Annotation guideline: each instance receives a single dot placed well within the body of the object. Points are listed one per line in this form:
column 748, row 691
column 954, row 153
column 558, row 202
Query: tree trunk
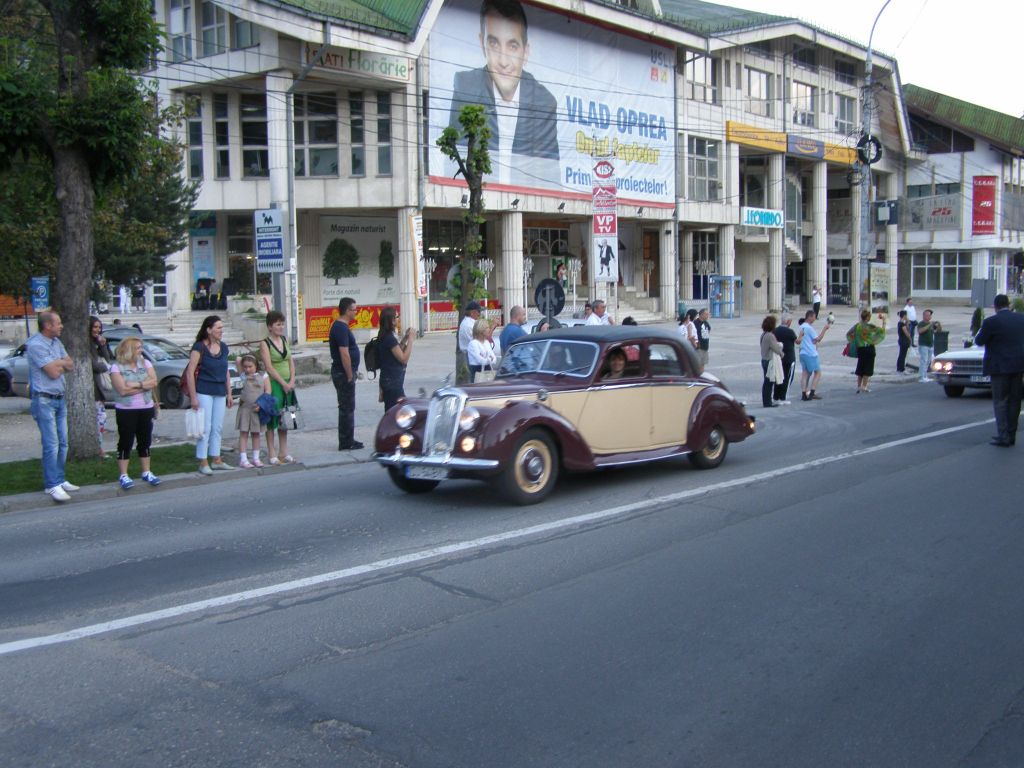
column 75, row 264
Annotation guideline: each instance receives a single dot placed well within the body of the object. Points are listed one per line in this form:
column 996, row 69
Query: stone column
column 686, row 269
column 817, row 272
column 511, row 262
column 892, row 244
column 776, row 237
column 727, row 258
column 669, row 274
column 407, row 271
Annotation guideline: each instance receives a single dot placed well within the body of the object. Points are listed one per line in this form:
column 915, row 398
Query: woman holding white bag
column 208, row 382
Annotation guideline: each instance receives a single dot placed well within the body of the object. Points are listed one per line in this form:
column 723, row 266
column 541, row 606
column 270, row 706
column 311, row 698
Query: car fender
column 716, row 406
column 503, row 428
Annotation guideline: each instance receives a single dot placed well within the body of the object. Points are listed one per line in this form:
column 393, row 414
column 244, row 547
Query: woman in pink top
column 134, row 382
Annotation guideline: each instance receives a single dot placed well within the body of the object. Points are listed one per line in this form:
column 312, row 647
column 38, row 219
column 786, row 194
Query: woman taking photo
column 99, row 355
column 134, row 382
column 864, row 336
column 209, row 384
column 393, row 356
column 279, row 365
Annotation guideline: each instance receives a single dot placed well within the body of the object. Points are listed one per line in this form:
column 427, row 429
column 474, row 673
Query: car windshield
column 158, row 349
column 555, row 356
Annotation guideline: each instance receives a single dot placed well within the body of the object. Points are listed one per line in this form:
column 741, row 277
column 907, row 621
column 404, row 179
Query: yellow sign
column 750, row 136
column 842, row 155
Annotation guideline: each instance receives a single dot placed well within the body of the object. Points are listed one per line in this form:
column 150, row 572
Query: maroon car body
column 554, row 405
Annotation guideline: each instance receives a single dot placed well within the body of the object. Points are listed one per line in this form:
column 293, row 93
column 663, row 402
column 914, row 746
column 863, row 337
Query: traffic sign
column 549, row 296
column 269, row 240
column 40, row 287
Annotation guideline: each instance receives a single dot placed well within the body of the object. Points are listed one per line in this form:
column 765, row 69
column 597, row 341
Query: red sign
column 605, row 224
column 604, row 169
column 983, row 218
column 320, row 319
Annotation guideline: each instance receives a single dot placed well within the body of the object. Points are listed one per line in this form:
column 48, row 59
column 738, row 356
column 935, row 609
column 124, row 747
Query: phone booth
column 725, row 295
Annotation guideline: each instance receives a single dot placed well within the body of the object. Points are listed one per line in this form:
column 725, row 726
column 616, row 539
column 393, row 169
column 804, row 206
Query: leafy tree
column 68, row 94
column 473, row 167
column 386, row 261
column 341, row 259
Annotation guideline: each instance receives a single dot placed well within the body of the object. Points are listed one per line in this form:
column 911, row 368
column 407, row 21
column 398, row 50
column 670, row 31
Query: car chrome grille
column 442, row 422
column 966, row 368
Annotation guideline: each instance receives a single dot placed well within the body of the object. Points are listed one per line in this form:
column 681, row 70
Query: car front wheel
column 531, row 474
column 713, row 452
column 170, row 393
column 953, row 391
column 410, row 486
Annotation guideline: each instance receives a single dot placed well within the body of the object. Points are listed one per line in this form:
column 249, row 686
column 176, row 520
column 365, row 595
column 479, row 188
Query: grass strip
column 26, row 476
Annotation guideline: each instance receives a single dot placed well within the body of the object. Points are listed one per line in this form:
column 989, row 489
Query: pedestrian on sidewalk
column 247, row 420
column 865, row 335
column 280, row 368
column 816, row 301
column 787, row 337
column 209, row 383
column 514, row 329
column 926, row 343
column 911, row 311
column 703, row 336
column 393, row 355
column 771, row 360
column 48, row 361
column 687, row 328
column 134, row 382
column 100, row 358
column 904, row 338
column 809, row 338
column 344, row 368
column 480, row 355
column 1002, row 335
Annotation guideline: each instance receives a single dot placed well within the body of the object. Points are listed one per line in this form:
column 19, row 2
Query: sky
column 971, row 51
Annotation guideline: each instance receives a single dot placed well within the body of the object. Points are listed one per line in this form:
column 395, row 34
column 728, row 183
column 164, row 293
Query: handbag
column 291, row 415
column 195, row 423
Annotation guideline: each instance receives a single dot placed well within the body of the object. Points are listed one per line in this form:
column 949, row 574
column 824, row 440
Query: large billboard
column 557, row 92
column 358, row 258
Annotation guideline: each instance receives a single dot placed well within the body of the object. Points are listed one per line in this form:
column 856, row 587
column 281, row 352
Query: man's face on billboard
column 505, row 51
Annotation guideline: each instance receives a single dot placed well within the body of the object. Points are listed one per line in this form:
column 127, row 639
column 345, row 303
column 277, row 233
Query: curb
column 28, row 501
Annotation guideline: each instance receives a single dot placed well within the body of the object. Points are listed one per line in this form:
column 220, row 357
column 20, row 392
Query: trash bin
column 680, row 308
column 941, row 342
column 716, row 307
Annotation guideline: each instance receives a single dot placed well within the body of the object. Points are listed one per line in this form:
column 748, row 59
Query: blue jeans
column 214, row 407
column 52, row 418
column 927, row 353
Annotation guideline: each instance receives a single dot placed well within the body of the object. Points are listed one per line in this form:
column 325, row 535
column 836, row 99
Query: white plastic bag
column 194, row 423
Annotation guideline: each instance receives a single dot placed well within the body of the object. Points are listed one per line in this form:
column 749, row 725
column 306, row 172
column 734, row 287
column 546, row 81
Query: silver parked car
column 168, row 359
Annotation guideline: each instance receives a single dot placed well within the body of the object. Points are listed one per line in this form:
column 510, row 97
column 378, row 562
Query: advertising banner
column 359, row 259
column 269, row 228
column 557, row 92
column 880, row 275
column 983, row 218
column 319, row 320
column 768, row 218
column 416, row 227
column 934, row 212
column 202, row 258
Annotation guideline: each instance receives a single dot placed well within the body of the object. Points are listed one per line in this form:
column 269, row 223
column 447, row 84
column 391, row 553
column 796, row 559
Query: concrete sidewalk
column 734, row 357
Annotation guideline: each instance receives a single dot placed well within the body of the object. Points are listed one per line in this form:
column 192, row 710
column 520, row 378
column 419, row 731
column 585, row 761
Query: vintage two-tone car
column 574, row 399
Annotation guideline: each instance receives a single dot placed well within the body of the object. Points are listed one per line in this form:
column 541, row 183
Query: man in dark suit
column 521, row 113
column 1002, row 335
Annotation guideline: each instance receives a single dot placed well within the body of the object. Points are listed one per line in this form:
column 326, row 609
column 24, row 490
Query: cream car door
column 672, row 396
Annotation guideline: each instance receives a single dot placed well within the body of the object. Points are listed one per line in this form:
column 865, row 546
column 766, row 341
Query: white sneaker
column 69, row 486
column 58, row 494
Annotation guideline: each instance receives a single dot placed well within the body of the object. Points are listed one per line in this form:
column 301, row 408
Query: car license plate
column 981, row 379
column 415, row 472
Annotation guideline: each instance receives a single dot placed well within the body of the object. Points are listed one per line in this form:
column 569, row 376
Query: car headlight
column 405, row 416
column 469, row 418
column 936, row 366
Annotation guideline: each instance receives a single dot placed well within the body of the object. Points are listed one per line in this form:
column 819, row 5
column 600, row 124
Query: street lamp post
column 486, row 266
column 575, row 266
column 527, row 271
column 866, row 246
column 429, row 264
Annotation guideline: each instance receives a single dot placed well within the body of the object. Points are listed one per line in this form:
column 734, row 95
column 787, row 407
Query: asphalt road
column 844, row 590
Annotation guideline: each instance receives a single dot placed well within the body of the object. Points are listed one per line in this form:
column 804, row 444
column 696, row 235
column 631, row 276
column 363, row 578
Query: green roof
column 996, row 127
column 396, row 16
column 711, row 18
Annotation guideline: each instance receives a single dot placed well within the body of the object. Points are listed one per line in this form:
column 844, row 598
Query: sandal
column 289, row 459
column 244, row 464
column 274, row 461
column 257, row 463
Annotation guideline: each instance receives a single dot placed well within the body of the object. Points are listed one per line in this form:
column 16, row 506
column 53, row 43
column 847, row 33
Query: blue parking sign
column 40, row 287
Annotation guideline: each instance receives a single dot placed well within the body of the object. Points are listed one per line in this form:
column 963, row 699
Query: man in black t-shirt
column 703, row 336
column 786, row 337
column 344, row 367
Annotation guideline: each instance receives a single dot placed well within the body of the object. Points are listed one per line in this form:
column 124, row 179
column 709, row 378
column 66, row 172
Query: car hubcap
column 714, row 444
column 532, row 467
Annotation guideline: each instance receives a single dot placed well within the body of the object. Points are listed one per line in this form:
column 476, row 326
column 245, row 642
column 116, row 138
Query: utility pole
column 869, row 151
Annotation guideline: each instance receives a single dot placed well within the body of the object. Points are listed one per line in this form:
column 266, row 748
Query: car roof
column 606, row 334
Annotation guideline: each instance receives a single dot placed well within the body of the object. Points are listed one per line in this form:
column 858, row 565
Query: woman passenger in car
column 616, row 364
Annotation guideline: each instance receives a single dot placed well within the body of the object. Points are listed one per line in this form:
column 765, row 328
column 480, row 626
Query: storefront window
column 945, row 271
column 241, row 257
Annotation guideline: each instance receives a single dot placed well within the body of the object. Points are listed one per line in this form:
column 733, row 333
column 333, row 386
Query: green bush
column 1017, row 305
column 976, row 320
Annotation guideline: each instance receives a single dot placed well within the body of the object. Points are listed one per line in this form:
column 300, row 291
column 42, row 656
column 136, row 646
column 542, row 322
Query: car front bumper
column 435, row 467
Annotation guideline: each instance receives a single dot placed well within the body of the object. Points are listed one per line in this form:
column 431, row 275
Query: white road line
column 451, row 549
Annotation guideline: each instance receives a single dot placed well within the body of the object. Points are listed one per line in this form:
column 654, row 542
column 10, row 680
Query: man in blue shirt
column 514, row 329
column 344, row 367
column 48, row 361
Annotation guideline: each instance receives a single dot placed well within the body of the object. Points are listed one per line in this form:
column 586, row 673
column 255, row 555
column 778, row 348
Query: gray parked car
column 168, row 359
